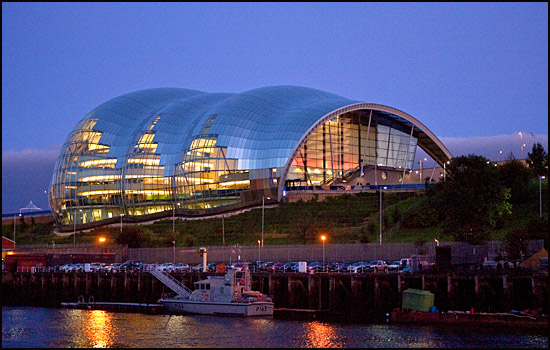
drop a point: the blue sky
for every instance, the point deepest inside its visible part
(474, 73)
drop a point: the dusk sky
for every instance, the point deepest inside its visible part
(475, 74)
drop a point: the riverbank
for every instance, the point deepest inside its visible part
(339, 294)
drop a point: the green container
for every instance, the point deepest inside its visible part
(417, 299)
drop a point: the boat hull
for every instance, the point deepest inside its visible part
(470, 320)
(260, 308)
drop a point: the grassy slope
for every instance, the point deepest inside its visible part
(344, 219)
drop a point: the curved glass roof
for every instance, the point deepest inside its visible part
(139, 150)
(259, 127)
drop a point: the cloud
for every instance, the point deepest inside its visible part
(489, 147)
(25, 176)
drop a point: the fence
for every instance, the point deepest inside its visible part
(462, 253)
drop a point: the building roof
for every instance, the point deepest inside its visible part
(260, 127)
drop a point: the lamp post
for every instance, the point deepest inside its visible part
(540, 196)
(174, 217)
(121, 215)
(436, 242)
(74, 226)
(14, 216)
(323, 239)
(263, 207)
(522, 144)
(259, 256)
(381, 213)
(174, 250)
(425, 159)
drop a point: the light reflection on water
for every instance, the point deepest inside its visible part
(43, 327)
(321, 335)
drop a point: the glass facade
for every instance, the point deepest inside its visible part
(151, 152)
(339, 148)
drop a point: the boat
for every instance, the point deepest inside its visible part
(418, 308)
(509, 320)
(230, 294)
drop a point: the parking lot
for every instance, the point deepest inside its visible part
(353, 267)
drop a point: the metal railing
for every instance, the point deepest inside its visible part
(172, 283)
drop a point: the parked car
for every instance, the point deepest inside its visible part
(131, 265)
(166, 267)
(181, 267)
(197, 268)
(342, 266)
(75, 268)
(274, 267)
(238, 266)
(394, 266)
(377, 266)
(265, 265)
(115, 267)
(64, 267)
(490, 264)
(97, 267)
(405, 265)
(357, 267)
(209, 268)
(316, 266)
(255, 266)
(149, 267)
(287, 267)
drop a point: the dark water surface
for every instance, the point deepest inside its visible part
(30, 327)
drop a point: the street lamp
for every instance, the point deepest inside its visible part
(74, 226)
(323, 239)
(121, 215)
(436, 242)
(381, 213)
(174, 217)
(14, 216)
(263, 207)
(425, 159)
(540, 196)
(174, 250)
(521, 138)
(259, 259)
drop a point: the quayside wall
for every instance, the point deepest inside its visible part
(355, 297)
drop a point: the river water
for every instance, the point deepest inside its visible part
(31, 327)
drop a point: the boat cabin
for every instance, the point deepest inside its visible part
(234, 286)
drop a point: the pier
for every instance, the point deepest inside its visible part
(339, 295)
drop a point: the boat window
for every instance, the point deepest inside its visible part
(207, 286)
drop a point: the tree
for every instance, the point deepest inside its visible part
(471, 200)
(516, 176)
(135, 237)
(307, 222)
(537, 160)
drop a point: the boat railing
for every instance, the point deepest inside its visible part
(172, 283)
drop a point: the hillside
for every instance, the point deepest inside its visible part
(344, 219)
